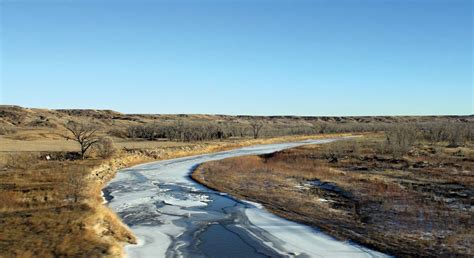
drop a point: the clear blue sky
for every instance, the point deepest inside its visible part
(240, 57)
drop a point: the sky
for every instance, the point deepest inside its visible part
(340, 57)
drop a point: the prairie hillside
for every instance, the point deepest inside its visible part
(31, 124)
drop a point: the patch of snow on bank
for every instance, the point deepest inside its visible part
(301, 239)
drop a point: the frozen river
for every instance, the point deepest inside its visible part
(173, 216)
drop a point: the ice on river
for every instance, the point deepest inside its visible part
(174, 216)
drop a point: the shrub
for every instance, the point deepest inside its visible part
(105, 148)
(458, 134)
(399, 139)
(455, 133)
(435, 132)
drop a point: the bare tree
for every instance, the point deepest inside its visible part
(256, 127)
(242, 131)
(84, 134)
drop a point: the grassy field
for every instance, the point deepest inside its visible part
(54, 208)
(418, 204)
(63, 145)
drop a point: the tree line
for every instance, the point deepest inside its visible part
(185, 132)
(399, 136)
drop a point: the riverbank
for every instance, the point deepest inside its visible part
(413, 205)
(54, 207)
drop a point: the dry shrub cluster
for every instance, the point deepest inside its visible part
(180, 131)
(456, 134)
(105, 148)
(399, 139)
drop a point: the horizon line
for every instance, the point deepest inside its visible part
(242, 115)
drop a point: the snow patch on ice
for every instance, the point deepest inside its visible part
(301, 239)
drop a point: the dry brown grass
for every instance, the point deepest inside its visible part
(53, 208)
(416, 205)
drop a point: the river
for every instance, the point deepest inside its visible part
(174, 216)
